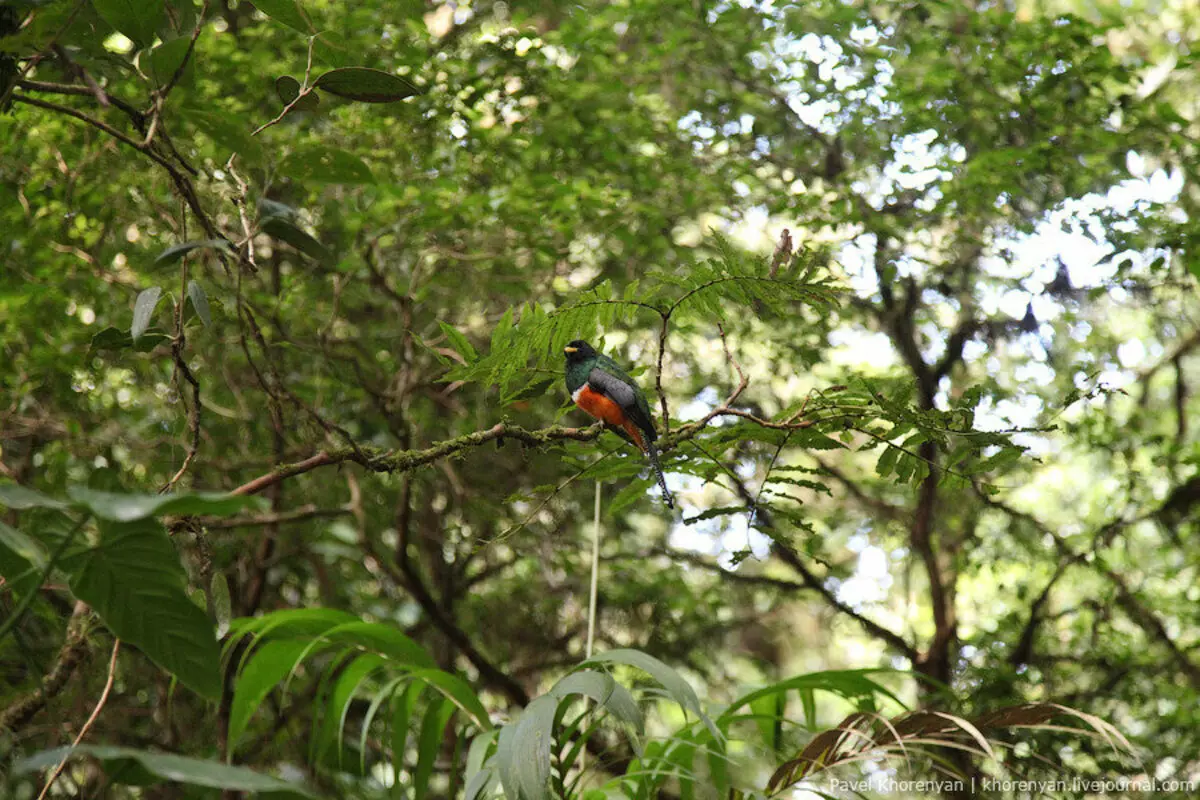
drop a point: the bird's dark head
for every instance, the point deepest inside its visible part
(578, 351)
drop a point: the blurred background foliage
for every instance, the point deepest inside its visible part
(1000, 198)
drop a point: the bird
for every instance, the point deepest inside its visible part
(605, 391)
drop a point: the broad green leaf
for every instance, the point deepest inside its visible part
(24, 546)
(286, 11)
(168, 766)
(366, 85)
(273, 208)
(22, 560)
(531, 746)
(326, 165)
(288, 89)
(305, 623)
(178, 251)
(477, 754)
(132, 578)
(481, 784)
(286, 231)
(680, 690)
(458, 692)
(505, 759)
(137, 19)
(222, 604)
(199, 302)
(116, 339)
(265, 669)
(429, 742)
(122, 507)
(143, 310)
(887, 461)
(161, 62)
(386, 640)
(601, 687)
(16, 496)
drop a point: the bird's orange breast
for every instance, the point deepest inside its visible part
(608, 412)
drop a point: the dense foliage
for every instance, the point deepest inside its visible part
(293, 498)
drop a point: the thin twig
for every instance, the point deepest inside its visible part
(662, 349)
(112, 671)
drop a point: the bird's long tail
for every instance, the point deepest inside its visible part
(652, 454)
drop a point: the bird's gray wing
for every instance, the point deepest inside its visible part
(613, 388)
(622, 393)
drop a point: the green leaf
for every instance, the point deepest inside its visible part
(115, 339)
(143, 310)
(22, 560)
(178, 251)
(286, 231)
(326, 165)
(122, 507)
(601, 687)
(635, 490)
(266, 668)
(530, 750)
(403, 705)
(345, 688)
(199, 302)
(286, 11)
(429, 741)
(137, 19)
(456, 691)
(366, 85)
(288, 89)
(24, 546)
(163, 60)
(535, 388)
(222, 604)
(168, 766)
(768, 715)
(273, 208)
(815, 440)
(19, 497)
(380, 638)
(849, 684)
(481, 745)
(306, 623)
(680, 690)
(887, 461)
(382, 695)
(134, 581)
(459, 342)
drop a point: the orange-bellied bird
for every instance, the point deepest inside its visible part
(604, 390)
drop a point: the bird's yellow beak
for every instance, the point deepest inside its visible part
(570, 349)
